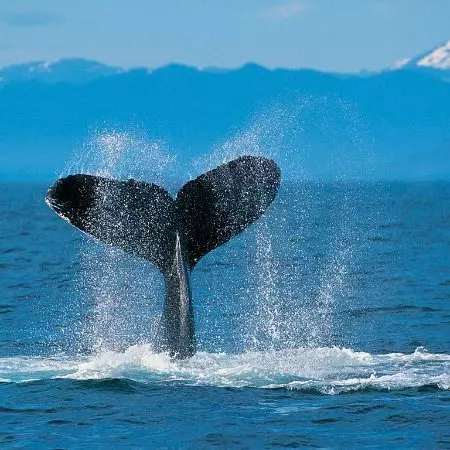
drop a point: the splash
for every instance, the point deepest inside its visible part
(285, 309)
(124, 292)
(263, 136)
(289, 132)
(123, 155)
(262, 327)
(323, 370)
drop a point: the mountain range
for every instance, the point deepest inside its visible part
(392, 124)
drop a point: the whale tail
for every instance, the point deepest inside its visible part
(143, 219)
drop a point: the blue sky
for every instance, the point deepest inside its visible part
(332, 35)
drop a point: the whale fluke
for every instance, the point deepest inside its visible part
(174, 234)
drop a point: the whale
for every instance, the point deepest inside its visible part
(173, 234)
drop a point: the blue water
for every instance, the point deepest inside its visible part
(326, 324)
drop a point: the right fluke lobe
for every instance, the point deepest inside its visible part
(221, 203)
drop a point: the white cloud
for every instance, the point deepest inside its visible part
(283, 11)
(29, 18)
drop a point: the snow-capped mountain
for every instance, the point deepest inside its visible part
(75, 70)
(436, 59)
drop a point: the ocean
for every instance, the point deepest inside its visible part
(326, 324)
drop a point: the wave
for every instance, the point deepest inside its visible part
(325, 370)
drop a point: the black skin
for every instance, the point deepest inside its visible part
(178, 316)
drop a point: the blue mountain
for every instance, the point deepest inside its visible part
(76, 70)
(394, 124)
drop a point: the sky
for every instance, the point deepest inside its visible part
(329, 35)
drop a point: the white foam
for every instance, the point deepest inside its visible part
(327, 370)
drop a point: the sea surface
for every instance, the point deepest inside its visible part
(325, 325)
